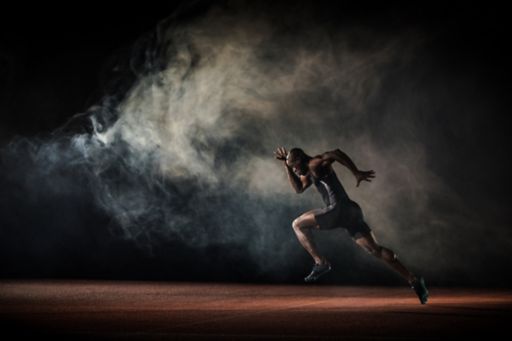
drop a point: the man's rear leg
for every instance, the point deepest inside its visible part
(368, 242)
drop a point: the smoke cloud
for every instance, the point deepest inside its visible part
(180, 148)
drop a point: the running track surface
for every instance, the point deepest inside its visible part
(190, 311)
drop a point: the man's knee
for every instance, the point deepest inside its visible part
(380, 252)
(296, 224)
(386, 254)
(374, 250)
(299, 224)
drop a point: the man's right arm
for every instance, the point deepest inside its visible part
(299, 184)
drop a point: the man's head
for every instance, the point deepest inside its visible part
(298, 160)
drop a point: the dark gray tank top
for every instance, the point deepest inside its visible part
(330, 188)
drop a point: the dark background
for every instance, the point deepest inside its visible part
(52, 62)
(52, 56)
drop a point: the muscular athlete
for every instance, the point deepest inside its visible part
(339, 211)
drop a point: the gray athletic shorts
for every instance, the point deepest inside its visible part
(343, 214)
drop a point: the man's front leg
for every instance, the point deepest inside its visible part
(302, 227)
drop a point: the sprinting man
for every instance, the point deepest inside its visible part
(340, 211)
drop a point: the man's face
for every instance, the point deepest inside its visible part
(298, 166)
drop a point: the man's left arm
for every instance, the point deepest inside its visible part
(345, 160)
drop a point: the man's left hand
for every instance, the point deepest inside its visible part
(364, 175)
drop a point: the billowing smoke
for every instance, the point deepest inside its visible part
(180, 148)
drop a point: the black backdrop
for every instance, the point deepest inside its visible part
(52, 62)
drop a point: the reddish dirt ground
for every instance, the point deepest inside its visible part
(160, 310)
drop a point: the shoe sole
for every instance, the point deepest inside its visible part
(314, 279)
(423, 298)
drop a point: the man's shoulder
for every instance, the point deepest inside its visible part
(324, 155)
(320, 165)
(316, 161)
(329, 153)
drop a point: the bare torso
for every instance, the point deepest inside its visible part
(319, 166)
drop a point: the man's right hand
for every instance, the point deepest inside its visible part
(281, 153)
